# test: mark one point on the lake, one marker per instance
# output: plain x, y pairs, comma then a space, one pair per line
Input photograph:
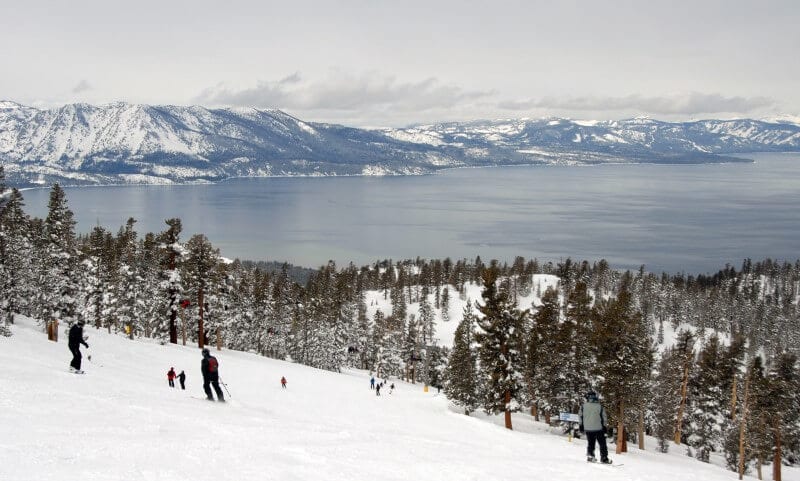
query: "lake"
674, 218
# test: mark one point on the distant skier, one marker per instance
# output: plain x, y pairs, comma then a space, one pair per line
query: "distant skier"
378, 390
391, 388
210, 369
593, 422
372, 383
171, 377
182, 379
74, 344
283, 382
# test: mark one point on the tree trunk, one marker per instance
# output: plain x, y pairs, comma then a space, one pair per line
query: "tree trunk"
733, 398
743, 423
682, 406
508, 411
201, 338
183, 325
758, 467
219, 339
620, 427
776, 460
641, 428
535, 412
547, 418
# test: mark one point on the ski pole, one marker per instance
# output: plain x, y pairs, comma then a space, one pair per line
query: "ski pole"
225, 386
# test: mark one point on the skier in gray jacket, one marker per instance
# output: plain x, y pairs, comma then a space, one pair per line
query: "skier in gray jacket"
593, 422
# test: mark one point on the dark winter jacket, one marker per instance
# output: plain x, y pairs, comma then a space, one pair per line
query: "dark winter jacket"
76, 337
182, 376
593, 416
209, 367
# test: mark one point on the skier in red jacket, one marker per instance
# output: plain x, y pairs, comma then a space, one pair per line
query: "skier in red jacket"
171, 377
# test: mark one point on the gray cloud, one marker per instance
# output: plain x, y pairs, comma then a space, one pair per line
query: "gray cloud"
82, 86
343, 92
681, 104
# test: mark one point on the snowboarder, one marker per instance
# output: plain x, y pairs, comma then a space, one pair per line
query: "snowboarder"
74, 344
171, 377
210, 369
283, 382
182, 379
372, 383
593, 423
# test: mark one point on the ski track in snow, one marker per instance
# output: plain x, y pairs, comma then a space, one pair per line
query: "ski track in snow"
121, 421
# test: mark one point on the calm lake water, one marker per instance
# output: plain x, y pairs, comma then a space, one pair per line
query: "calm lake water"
672, 218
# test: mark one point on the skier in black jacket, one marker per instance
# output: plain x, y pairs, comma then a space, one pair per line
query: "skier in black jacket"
210, 369
74, 344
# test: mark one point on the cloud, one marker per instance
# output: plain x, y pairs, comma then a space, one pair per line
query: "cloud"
343, 92
82, 86
682, 104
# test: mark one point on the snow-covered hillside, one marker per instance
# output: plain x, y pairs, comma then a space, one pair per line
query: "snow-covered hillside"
120, 421
82, 144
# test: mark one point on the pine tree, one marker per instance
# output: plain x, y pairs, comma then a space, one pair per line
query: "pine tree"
781, 405
664, 402
461, 385
171, 281
500, 339
445, 304
199, 268
707, 402
60, 287
547, 384
624, 358
684, 350
15, 259
575, 343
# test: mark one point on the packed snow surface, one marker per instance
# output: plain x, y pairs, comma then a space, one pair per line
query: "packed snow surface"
121, 421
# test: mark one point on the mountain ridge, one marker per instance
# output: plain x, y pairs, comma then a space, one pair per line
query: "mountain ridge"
125, 143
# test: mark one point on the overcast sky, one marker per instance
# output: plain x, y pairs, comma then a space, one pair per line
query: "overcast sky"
391, 63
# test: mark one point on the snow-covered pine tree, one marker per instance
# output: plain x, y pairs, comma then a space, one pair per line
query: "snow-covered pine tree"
411, 350
461, 379
782, 408
15, 258
363, 341
706, 402
549, 356
757, 425
128, 282
60, 285
499, 335
664, 401
150, 309
684, 350
6, 302
624, 358
199, 268
445, 304
427, 321
171, 282
576, 341
378, 345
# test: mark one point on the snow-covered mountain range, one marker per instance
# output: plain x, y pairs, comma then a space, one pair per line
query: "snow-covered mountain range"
80, 144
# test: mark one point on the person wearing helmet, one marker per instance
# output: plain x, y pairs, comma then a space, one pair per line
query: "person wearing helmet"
593, 423
74, 345
210, 369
